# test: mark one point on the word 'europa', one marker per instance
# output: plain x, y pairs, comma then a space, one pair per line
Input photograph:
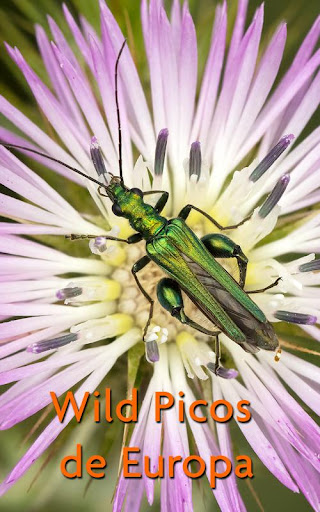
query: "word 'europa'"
127, 410
215, 467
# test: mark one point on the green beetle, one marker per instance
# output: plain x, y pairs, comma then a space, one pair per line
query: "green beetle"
190, 262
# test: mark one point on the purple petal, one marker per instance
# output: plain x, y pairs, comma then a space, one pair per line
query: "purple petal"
305, 475
55, 113
58, 80
78, 36
112, 39
37, 135
89, 107
211, 79
290, 405
105, 82
246, 70
263, 81
267, 116
281, 420
225, 445
237, 33
51, 432
258, 441
187, 68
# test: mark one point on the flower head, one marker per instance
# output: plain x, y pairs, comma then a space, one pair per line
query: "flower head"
229, 152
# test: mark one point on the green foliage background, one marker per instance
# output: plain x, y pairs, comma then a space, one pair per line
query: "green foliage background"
51, 490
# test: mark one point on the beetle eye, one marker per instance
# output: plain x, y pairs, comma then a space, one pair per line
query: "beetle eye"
117, 210
137, 191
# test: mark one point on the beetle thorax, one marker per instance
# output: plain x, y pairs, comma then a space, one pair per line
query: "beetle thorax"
144, 218
141, 216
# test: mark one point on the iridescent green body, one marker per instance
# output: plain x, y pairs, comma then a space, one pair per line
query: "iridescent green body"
175, 248
141, 216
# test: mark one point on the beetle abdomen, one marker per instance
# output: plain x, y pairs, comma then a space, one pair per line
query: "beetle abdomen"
258, 334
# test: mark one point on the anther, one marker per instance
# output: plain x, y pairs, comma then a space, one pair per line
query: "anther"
97, 159
160, 153
295, 318
152, 351
310, 266
98, 245
222, 372
69, 293
275, 196
52, 344
271, 157
195, 160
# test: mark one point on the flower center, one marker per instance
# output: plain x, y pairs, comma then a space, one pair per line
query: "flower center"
132, 302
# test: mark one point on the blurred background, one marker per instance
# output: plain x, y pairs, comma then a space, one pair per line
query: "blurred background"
44, 488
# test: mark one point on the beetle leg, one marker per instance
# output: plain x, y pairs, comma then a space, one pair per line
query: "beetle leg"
187, 209
217, 350
217, 368
139, 265
220, 246
162, 201
100, 188
267, 287
170, 297
133, 239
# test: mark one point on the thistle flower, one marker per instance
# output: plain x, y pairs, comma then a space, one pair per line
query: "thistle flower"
195, 148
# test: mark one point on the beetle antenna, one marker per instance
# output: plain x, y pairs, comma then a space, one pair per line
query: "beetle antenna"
14, 146
117, 105
23, 148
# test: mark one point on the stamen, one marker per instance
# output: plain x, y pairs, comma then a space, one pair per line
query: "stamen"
163, 338
69, 292
96, 290
157, 334
98, 245
275, 196
97, 160
52, 344
295, 318
310, 266
104, 328
160, 151
271, 157
195, 160
152, 351
224, 373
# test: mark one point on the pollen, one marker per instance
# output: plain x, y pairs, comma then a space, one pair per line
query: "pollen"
278, 355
